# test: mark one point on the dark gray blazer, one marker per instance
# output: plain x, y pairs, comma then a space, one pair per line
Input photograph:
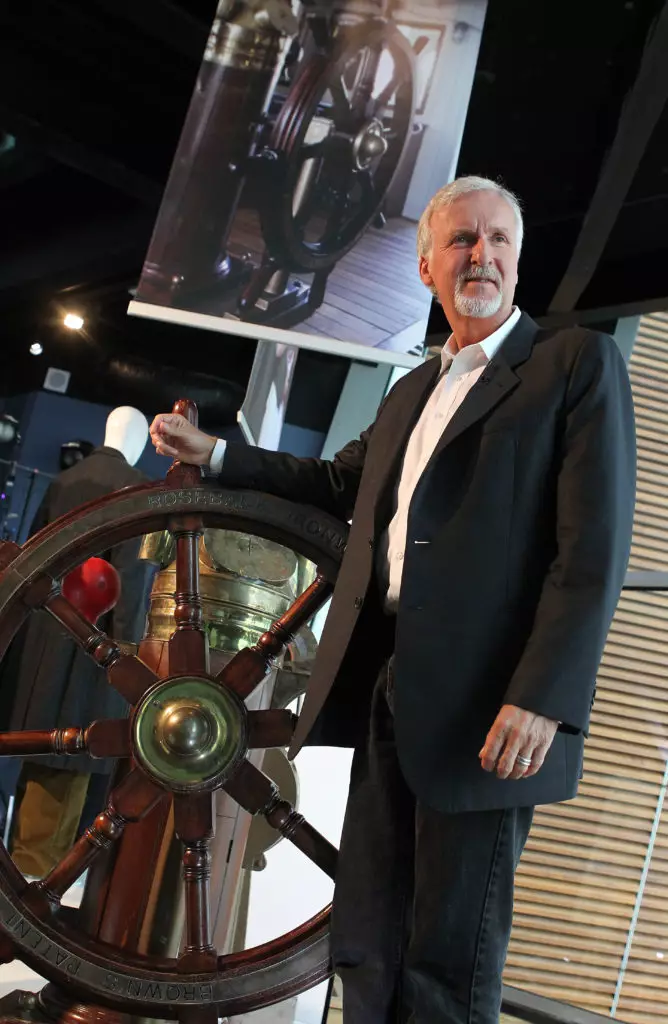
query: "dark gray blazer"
526, 508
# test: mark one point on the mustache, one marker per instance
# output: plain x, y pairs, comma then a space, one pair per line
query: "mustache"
480, 274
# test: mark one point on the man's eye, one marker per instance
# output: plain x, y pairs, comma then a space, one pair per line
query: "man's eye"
498, 237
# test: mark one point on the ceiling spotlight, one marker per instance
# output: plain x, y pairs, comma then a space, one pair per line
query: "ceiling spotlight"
36, 349
8, 428
73, 321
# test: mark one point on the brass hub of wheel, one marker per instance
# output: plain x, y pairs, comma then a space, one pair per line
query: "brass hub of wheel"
189, 733
184, 729
370, 144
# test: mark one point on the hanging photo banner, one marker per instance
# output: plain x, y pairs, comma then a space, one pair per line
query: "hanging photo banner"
316, 135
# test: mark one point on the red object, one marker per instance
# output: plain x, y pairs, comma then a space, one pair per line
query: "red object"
93, 588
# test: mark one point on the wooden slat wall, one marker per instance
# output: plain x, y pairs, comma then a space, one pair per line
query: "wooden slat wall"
644, 992
581, 934
649, 379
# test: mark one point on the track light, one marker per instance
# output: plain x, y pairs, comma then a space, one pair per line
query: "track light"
73, 321
36, 349
9, 428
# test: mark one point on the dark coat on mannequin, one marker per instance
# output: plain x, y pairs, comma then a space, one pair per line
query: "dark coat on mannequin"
51, 682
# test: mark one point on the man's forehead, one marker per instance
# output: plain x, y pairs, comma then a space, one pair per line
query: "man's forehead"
475, 208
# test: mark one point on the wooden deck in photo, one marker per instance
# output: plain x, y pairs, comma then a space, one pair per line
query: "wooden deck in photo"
373, 295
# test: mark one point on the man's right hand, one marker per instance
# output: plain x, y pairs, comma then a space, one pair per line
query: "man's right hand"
174, 436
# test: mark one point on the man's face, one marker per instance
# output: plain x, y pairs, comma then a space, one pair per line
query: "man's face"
473, 259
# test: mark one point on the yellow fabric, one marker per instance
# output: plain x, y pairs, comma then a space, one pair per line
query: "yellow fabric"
49, 804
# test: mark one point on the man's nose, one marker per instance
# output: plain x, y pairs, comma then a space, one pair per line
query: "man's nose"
481, 253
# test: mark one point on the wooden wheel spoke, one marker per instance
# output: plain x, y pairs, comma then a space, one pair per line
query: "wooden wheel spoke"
126, 673
133, 798
342, 112
92, 640
33, 742
193, 823
368, 186
189, 644
180, 474
272, 728
109, 738
366, 81
193, 817
257, 794
131, 677
388, 92
249, 667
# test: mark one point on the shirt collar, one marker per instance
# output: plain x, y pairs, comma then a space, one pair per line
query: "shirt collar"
488, 347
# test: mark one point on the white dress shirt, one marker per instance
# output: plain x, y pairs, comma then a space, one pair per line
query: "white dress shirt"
460, 371
217, 456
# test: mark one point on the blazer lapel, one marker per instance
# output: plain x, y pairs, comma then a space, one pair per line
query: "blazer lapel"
495, 383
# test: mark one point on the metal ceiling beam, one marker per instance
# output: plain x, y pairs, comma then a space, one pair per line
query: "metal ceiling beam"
641, 110
17, 167
162, 20
601, 314
97, 250
73, 154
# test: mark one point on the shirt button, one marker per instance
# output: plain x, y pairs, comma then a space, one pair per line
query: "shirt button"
358, 602
400, 556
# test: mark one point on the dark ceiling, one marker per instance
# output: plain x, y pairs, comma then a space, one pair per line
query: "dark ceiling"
568, 108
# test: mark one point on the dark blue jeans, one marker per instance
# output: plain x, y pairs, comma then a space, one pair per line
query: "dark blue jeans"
424, 901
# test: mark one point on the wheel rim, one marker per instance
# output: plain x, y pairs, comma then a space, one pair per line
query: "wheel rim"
351, 168
236, 982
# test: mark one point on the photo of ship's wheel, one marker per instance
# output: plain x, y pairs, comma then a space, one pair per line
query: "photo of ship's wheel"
335, 146
187, 737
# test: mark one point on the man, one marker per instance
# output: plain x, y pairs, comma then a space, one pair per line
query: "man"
493, 502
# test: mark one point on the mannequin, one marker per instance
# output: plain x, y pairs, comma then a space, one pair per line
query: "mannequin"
127, 432
54, 684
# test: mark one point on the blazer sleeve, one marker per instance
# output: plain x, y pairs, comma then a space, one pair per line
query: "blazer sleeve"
330, 485
556, 675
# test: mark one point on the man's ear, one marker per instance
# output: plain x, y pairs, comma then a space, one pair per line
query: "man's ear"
425, 275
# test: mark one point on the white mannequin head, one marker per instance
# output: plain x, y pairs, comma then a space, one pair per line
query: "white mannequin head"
127, 432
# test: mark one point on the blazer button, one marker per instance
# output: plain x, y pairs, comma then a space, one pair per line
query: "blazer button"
371, 543
358, 602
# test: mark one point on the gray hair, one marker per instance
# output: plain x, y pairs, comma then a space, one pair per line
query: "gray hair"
461, 187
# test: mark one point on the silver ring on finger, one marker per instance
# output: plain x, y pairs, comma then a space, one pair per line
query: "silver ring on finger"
525, 762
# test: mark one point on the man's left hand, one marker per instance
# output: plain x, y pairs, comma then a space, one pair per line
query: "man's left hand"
517, 733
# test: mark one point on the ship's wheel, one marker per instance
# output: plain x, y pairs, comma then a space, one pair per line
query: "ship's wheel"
335, 146
187, 736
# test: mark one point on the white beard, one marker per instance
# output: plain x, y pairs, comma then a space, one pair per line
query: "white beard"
467, 305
